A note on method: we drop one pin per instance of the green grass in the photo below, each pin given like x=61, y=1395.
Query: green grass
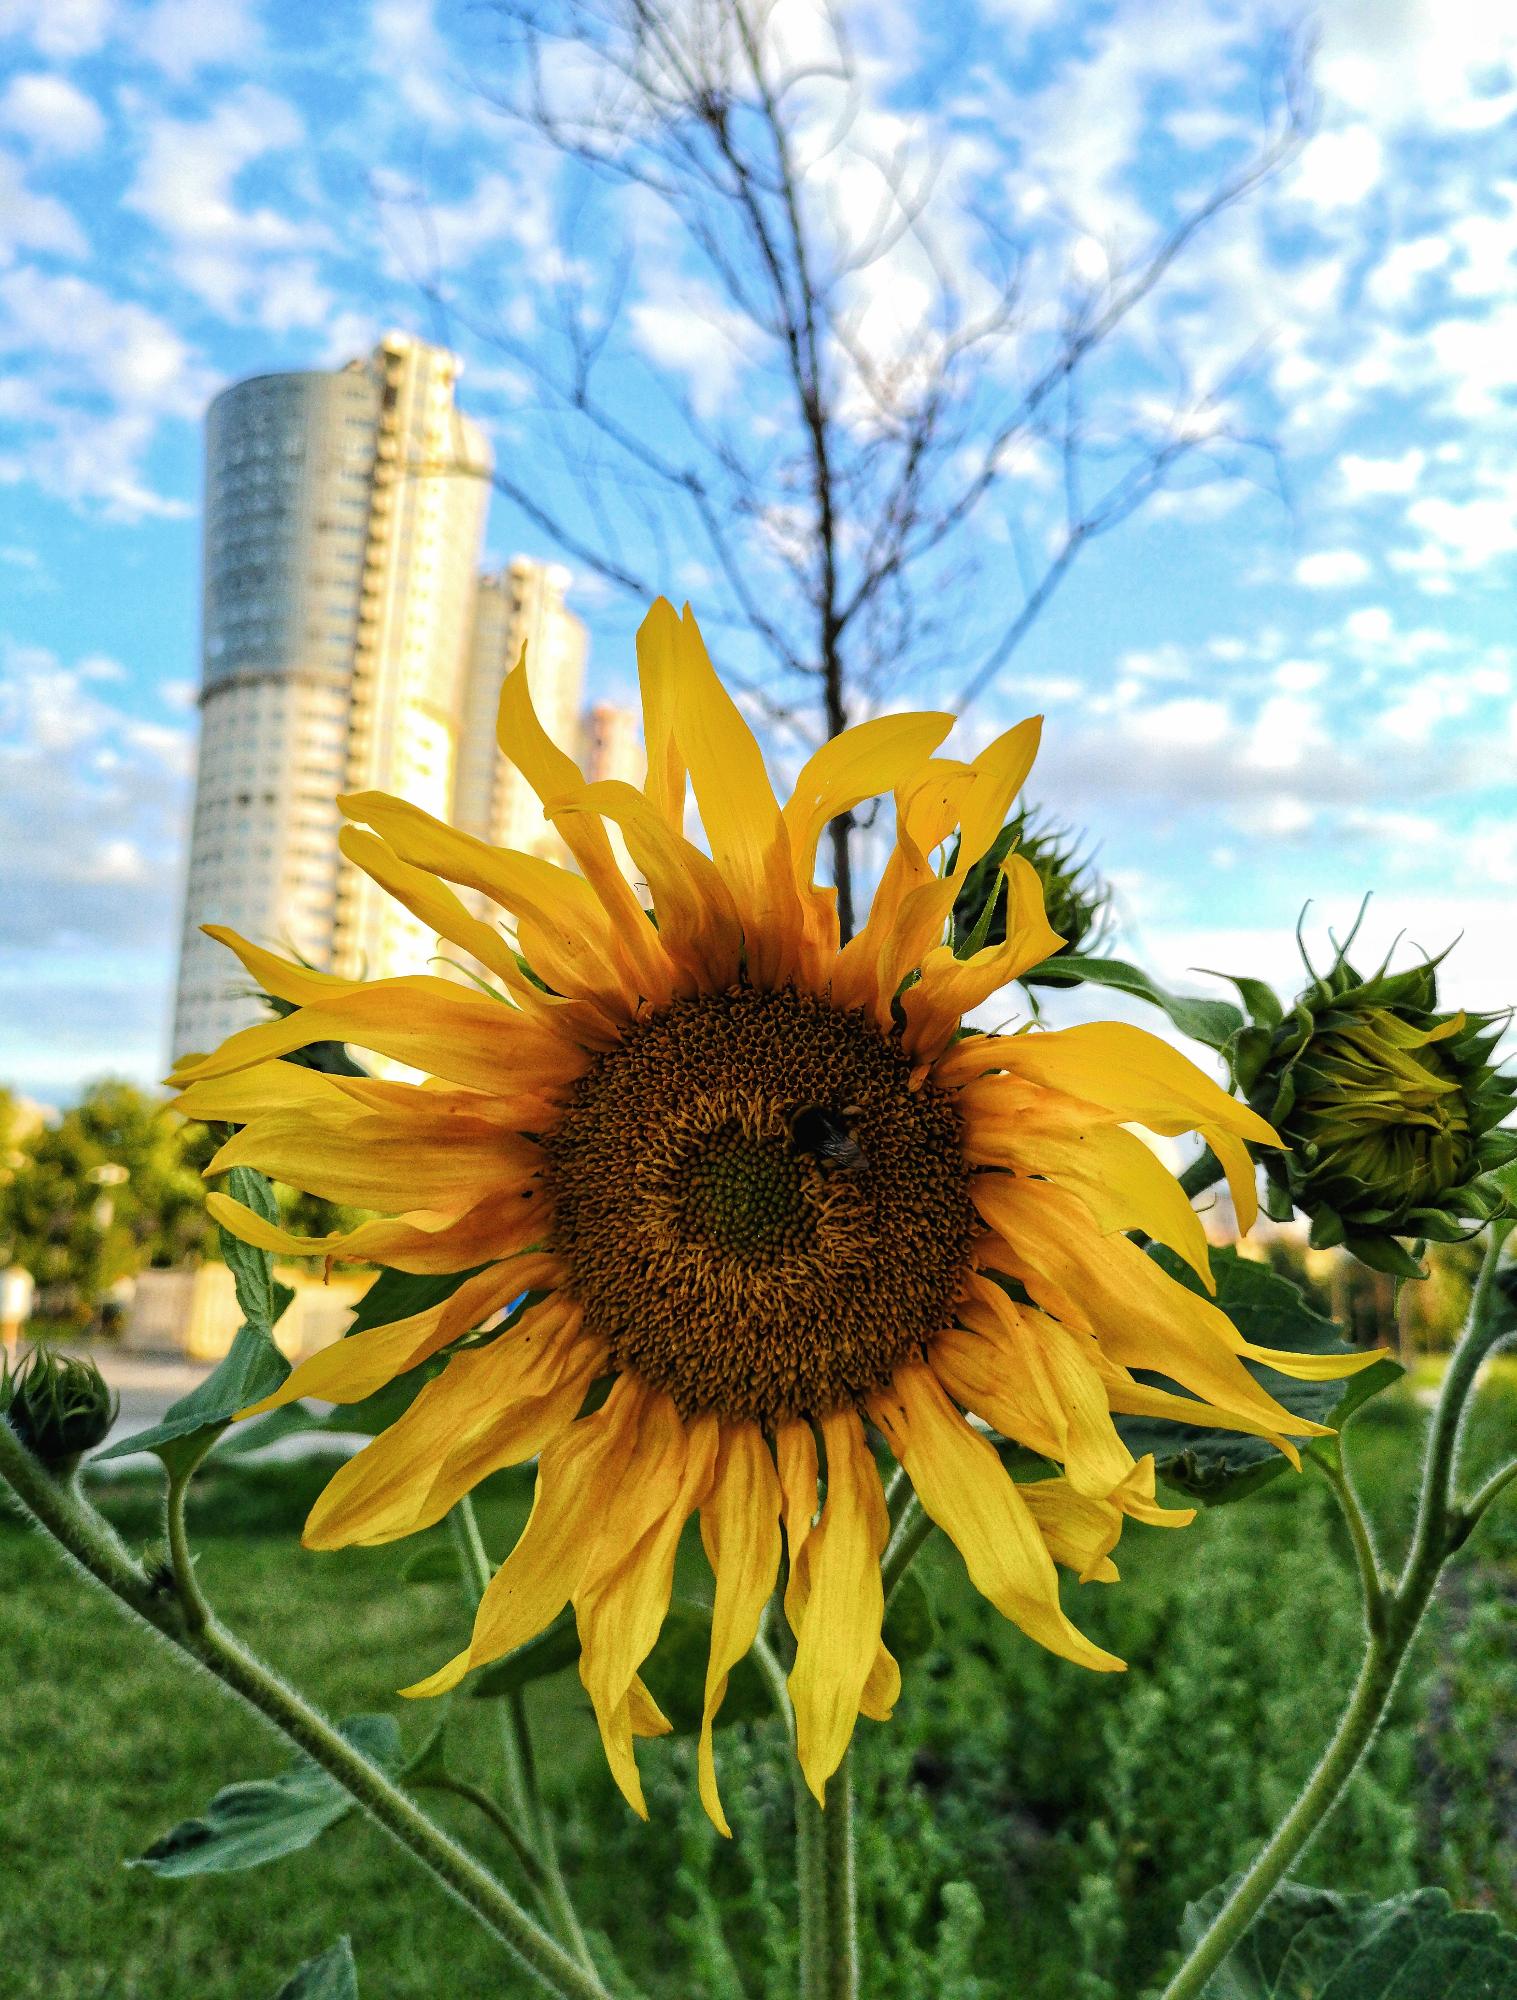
x=1030, y=1830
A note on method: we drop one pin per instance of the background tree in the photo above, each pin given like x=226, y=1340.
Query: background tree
x=917, y=410
x=112, y=1187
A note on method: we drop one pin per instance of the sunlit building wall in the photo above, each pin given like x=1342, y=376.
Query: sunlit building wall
x=415, y=620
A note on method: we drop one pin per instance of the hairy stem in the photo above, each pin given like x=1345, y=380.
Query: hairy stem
x=1392, y=1619
x=155, y=1598
x=910, y=1532
x=548, y=1882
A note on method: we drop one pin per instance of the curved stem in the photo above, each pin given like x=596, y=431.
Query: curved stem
x=1392, y=1618
x=197, y=1610
x=1328, y=1459
x=1484, y=1496
x=494, y=1812
x=911, y=1530
x=842, y=1886
x=154, y=1598
x=547, y=1878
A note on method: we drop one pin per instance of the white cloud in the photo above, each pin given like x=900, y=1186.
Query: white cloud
x=1339, y=169
x=1369, y=477
x=1460, y=534
x=51, y=114
x=105, y=372
x=59, y=29
x=1331, y=569
x=31, y=221
x=186, y=186
x=1441, y=64
x=1398, y=276
x=696, y=337
x=183, y=37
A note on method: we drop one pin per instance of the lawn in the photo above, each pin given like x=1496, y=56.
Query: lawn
x=1031, y=1829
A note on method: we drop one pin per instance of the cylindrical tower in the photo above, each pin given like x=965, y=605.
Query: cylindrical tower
x=289, y=477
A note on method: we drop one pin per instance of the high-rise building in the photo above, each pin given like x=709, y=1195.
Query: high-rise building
x=343, y=518
x=429, y=493
x=350, y=645
x=521, y=608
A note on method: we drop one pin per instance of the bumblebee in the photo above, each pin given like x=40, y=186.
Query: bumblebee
x=825, y=1135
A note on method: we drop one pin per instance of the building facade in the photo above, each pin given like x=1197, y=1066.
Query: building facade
x=349, y=644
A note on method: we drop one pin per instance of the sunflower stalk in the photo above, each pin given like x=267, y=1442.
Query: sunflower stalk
x=531, y=1824
x=157, y=1598
x=1393, y=1614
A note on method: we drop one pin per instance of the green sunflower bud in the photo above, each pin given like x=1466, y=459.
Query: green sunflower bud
x=59, y=1407
x=1076, y=898
x=1391, y=1109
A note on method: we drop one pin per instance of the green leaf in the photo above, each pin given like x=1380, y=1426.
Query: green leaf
x=1314, y=1944
x=333, y=1976
x=247, y=1824
x=1218, y=1466
x=253, y=1366
x=260, y=1296
x=252, y=1369
x=1213, y=1022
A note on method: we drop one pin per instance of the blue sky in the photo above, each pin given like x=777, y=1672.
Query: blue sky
x=1256, y=692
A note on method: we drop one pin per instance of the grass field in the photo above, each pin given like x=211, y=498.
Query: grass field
x=1070, y=1816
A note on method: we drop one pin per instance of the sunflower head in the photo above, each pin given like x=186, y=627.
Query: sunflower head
x=760, y=1209
x=1076, y=898
x=1391, y=1109
x=58, y=1406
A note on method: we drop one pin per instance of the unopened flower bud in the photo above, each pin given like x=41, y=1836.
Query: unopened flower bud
x=1392, y=1112
x=1077, y=900
x=58, y=1406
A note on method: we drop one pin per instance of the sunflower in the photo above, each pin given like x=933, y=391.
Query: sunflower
x=768, y=1201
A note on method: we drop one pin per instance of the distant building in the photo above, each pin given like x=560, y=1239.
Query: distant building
x=521, y=608
x=349, y=645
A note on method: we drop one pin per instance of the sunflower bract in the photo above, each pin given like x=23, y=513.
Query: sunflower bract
x=770, y=1196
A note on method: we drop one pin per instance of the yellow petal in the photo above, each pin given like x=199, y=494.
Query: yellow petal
x=871, y=758
x=738, y=809
x=282, y=977
x=1149, y=1083
x=621, y=1609
x=951, y=987
x=439, y=909
x=1035, y=1381
x=492, y=1406
x=432, y=1024
x=1078, y=1532
x=352, y=1368
x=416, y=1242
x=698, y=921
x=839, y=1635
x=555, y=777
x=1122, y=1182
x=564, y=932
x=740, y=1529
x=1143, y=1317
x=578, y=1477
x=963, y=1486
x=658, y=672
x=796, y=1462
x=372, y=1161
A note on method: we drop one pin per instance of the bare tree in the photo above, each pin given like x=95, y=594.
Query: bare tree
x=889, y=393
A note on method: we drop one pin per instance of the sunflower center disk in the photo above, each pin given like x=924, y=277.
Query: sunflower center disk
x=759, y=1216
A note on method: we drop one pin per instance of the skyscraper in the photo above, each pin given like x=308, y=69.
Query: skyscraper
x=349, y=644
